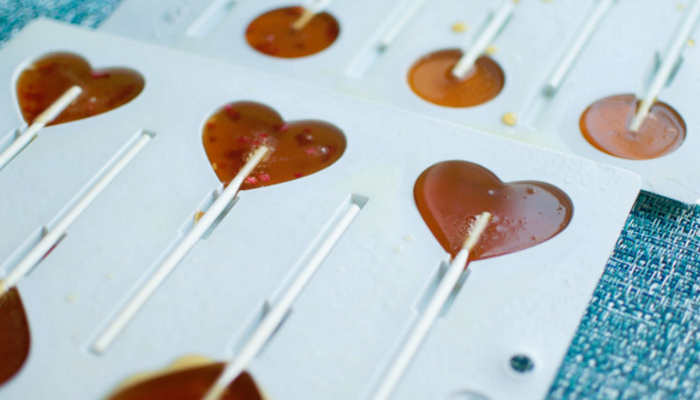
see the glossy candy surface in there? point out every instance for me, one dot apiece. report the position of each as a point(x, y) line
point(47, 78)
point(14, 335)
point(431, 78)
point(299, 148)
point(189, 384)
point(450, 194)
point(604, 124)
point(272, 33)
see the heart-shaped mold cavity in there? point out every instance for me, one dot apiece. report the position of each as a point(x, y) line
point(271, 33)
point(605, 125)
point(450, 195)
point(431, 79)
point(298, 148)
point(189, 384)
point(14, 335)
point(47, 78)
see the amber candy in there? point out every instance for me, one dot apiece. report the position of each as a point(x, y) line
point(14, 335)
point(190, 384)
point(298, 148)
point(605, 125)
point(47, 78)
point(272, 33)
point(431, 78)
point(450, 195)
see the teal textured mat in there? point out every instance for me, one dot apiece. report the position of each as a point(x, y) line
point(640, 338)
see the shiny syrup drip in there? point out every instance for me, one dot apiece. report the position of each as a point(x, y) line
point(450, 195)
point(190, 384)
point(431, 78)
point(272, 33)
point(299, 148)
point(47, 78)
point(604, 124)
point(14, 335)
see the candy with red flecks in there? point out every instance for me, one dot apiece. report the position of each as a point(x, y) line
point(272, 33)
point(47, 78)
point(298, 149)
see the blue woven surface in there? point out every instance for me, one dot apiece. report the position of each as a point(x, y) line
point(640, 338)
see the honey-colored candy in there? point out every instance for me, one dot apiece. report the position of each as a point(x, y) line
point(431, 78)
point(451, 194)
point(605, 125)
point(298, 148)
point(272, 33)
point(47, 78)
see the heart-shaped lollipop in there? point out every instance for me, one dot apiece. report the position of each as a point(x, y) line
point(298, 148)
point(47, 78)
point(14, 335)
point(190, 384)
point(450, 195)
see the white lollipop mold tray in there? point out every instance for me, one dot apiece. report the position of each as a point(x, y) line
point(345, 326)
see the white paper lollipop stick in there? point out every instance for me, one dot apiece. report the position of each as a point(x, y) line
point(437, 302)
point(55, 234)
point(484, 40)
point(310, 12)
point(586, 31)
point(275, 316)
point(183, 248)
point(53, 111)
point(667, 67)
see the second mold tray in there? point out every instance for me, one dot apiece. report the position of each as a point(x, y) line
point(545, 65)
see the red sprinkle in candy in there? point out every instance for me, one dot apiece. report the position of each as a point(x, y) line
point(100, 74)
point(211, 125)
point(243, 139)
point(263, 135)
point(307, 130)
point(251, 180)
point(311, 151)
point(283, 128)
point(298, 175)
point(231, 113)
point(212, 139)
point(264, 177)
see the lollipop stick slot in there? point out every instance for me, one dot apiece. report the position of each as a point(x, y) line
point(178, 253)
point(57, 229)
point(576, 46)
point(282, 305)
point(48, 115)
point(433, 309)
point(203, 207)
point(370, 55)
point(668, 66)
point(210, 18)
point(433, 285)
point(6, 140)
point(496, 23)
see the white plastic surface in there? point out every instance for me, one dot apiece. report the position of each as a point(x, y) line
point(344, 327)
point(616, 59)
